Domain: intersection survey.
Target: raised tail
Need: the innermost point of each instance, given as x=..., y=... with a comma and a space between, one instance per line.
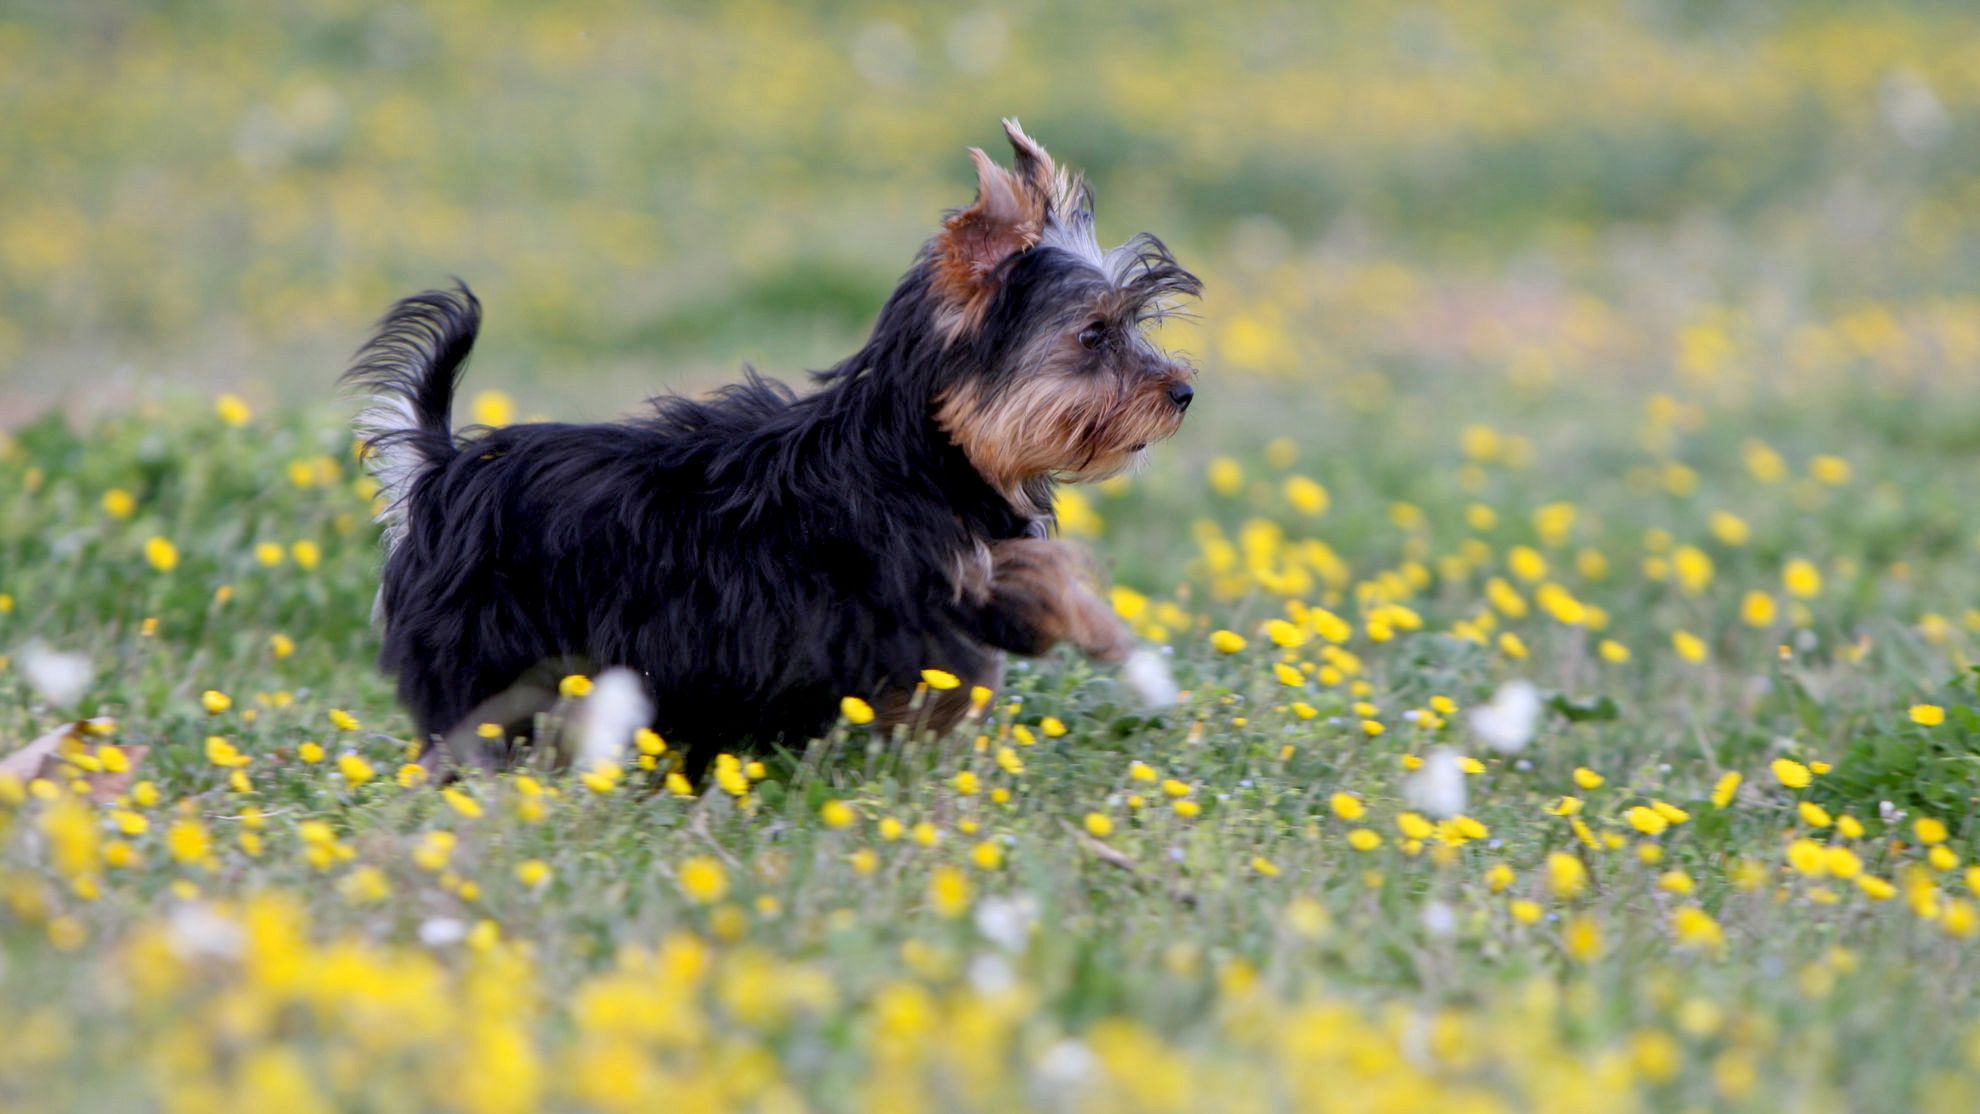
x=407, y=373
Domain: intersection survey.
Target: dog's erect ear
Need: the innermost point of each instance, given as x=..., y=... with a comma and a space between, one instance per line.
x=1008, y=217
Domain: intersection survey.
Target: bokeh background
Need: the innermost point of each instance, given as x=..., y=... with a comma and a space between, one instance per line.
x=222, y=195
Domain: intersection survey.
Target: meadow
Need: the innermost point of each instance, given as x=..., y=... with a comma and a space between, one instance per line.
x=1569, y=565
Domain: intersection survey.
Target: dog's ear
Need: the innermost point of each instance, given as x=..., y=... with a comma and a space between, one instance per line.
x=1007, y=218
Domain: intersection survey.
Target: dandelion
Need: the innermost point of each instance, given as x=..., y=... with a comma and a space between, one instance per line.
x=1802, y=579
x=1929, y=830
x=1264, y=867
x=492, y=408
x=1226, y=641
x=1347, y=806
x=703, y=880
x=948, y=892
x=161, y=554
x=1689, y=646
x=306, y=554
x=1927, y=715
x=1567, y=878
x=1587, y=779
x=1098, y=825
x=281, y=646
x=1306, y=496
x=224, y=754
x=1814, y=815
x=533, y=873
x=355, y=769
x=187, y=842
x=940, y=680
x=343, y=721
x=1757, y=610
x=1695, y=928
x=1646, y=820
x=310, y=753
x=837, y=814
x=1362, y=839
x=233, y=410
x=1582, y=937
x=1792, y=774
x=460, y=802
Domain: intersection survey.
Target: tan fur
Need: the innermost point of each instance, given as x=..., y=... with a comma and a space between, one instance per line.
x=1054, y=585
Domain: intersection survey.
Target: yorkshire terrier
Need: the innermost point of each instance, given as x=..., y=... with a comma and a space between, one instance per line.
x=758, y=555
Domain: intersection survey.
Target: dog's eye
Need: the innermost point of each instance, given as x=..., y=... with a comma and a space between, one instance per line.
x=1093, y=335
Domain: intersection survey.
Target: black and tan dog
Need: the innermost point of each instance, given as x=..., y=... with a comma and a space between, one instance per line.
x=758, y=555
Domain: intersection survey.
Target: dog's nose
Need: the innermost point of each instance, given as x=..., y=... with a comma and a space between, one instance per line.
x=1180, y=394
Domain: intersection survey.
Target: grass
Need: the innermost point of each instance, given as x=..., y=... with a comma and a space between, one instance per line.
x=1623, y=352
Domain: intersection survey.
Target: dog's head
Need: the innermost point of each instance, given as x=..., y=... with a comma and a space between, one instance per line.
x=1059, y=379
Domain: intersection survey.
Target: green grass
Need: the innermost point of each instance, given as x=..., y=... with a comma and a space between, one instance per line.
x=1594, y=324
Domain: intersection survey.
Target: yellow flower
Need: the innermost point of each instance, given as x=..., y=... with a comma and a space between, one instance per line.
x=343, y=721
x=1098, y=825
x=232, y=410
x=1927, y=715
x=1807, y=857
x=1689, y=646
x=891, y=829
x=1814, y=815
x=988, y=855
x=1347, y=806
x=1499, y=878
x=188, y=842
x=1929, y=830
x=1725, y=788
x=1566, y=876
x=837, y=814
x=223, y=754
x=310, y=753
x=1757, y=609
x=1587, y=779
x=1512, y=646
x=281, y=646
x=460, y=802
x=703, y=880
x=967, y=783
x=1188, y=810
x=1525, y=912
x=355, y=769
x=1227, y=641
x=1830, y=471
x=1695, y=928
x=307, y=554
x=215, y=701
x=1582, y=938
x=118, y=503
x=533, y=872
x=1226, y=476
x=1307, y=496
x=948, y=892
x=492, y=408
x=940, y=680
x=268, y=554
x=575, y=686
x=162, y=554
x=1802, y=579
x=1646, y=820
x=1264, y=867
x=1674, y=882
x=1792, y=774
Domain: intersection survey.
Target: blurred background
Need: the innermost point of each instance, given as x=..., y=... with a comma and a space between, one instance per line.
x=222, y=195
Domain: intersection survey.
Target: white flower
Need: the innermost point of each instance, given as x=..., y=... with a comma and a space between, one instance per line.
x=1437, y=787
x=605, y=723
x=1006, y=922
x=60, y=678
x=1508, y=721
x=437, y=932
x=1148, y=675
x=1439, y=919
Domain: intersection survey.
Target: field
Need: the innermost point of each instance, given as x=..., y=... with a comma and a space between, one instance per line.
x=1629, y=352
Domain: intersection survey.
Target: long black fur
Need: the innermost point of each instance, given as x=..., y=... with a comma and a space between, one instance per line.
x=756, y=555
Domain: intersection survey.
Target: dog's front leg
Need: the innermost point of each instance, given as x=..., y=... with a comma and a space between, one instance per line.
x=1043, y=592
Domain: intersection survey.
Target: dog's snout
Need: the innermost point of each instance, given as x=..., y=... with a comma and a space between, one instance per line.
x=1181, y=394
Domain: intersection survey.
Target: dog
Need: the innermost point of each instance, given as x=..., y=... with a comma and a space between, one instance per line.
x=758, y=555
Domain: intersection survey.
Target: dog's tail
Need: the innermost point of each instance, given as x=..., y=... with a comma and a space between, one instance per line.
x=407, y=373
